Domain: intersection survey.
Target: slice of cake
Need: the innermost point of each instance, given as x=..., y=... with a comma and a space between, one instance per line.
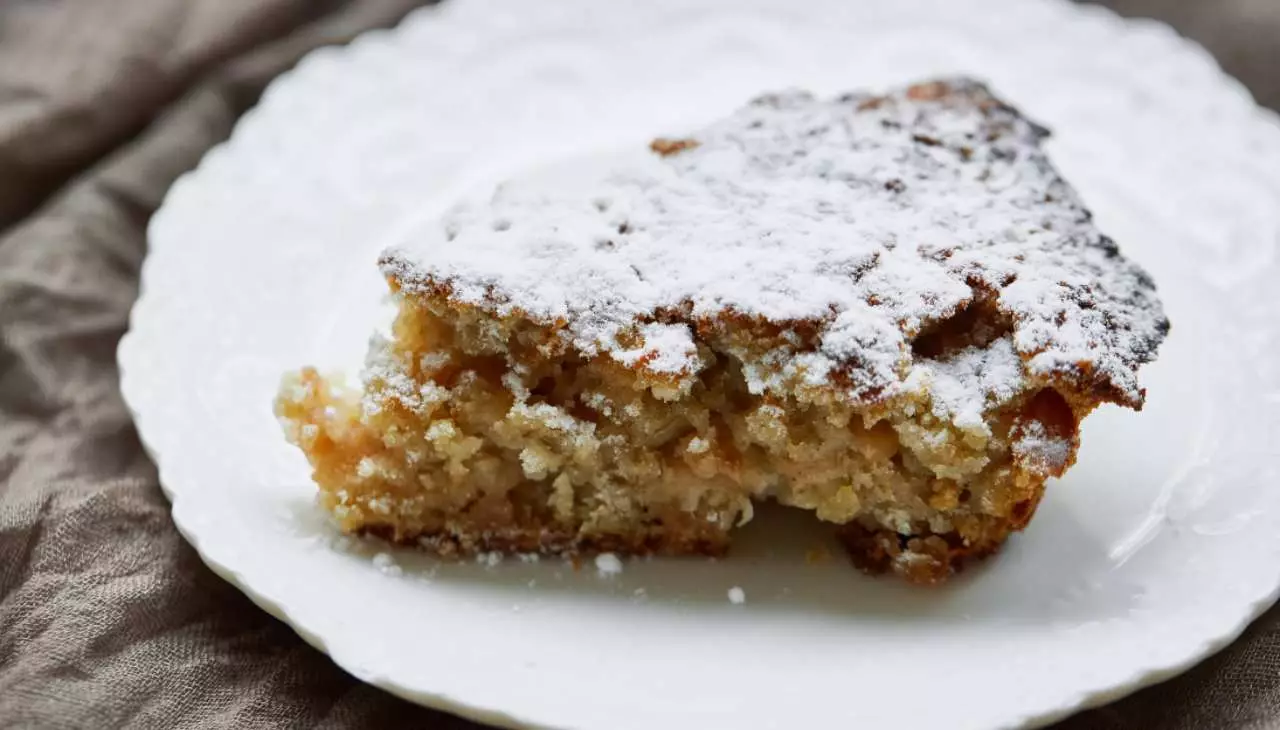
x=889, y=310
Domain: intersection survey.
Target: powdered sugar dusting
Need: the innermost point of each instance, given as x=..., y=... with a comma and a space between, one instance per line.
x=970, y=383
x=872, y=216
x=665, y=348
x=1038, y=447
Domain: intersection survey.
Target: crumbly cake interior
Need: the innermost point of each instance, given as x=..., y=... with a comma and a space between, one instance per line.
x=888, y=310
x=469, y=438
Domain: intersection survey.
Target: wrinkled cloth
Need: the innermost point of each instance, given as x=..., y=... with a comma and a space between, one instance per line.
x=107, y=617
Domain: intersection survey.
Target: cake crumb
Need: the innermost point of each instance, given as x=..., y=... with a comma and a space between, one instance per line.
x=817, y=556
x=737, y=596
x=608, y=564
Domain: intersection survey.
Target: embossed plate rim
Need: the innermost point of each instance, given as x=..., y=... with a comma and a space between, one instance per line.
x=142, y=350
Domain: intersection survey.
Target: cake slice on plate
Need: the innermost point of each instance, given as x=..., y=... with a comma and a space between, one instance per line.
x=887, y=309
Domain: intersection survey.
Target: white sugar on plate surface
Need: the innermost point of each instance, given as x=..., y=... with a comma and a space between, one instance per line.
x=737, y=596
x=386, y=563
x=608, y=564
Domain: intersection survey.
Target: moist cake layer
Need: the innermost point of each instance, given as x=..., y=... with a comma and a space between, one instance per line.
x=889, y=310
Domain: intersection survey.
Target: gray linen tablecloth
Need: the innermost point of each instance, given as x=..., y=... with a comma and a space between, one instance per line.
x=107, y=618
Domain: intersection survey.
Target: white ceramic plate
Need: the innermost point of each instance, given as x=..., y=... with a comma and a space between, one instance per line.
x=1156, y=550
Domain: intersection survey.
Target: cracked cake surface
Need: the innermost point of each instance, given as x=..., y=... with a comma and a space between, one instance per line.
x=888, y=309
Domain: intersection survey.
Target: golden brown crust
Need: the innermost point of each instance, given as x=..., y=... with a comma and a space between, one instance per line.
x=533, y=539
x=927, y=557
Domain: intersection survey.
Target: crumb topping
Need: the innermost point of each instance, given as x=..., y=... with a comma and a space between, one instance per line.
x=862, y=218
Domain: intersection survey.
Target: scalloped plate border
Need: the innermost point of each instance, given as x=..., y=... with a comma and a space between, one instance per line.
x=136, y=364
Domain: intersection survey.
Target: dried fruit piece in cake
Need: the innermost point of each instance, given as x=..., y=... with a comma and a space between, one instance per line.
x=887, y=309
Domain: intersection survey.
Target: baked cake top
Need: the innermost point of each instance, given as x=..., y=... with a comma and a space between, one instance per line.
x=864, y=218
